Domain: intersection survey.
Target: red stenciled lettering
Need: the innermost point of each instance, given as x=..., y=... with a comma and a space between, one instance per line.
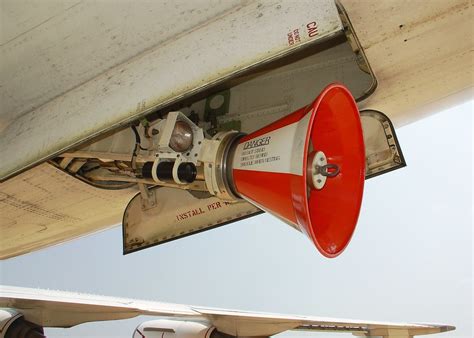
x=291, y=41
x=189, y=214
x=214, y=206
x=296, y=35
x=312, y=29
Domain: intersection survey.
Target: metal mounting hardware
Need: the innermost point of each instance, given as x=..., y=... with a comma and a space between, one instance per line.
x=319, y=170
x=147, y=197
x=328, y=170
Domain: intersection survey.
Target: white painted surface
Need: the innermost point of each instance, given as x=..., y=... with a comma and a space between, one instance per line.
x=46, y=206
x=62, y=309
x=176, y=63
x=282, y=151
x=51, y=47
x=421, y=53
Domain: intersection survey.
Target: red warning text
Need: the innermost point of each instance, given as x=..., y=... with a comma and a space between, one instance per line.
x=312, y=28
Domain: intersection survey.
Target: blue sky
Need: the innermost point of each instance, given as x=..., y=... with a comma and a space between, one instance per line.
x=409, y=260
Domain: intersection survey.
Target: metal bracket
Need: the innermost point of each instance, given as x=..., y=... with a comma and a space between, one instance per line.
x=147, y=197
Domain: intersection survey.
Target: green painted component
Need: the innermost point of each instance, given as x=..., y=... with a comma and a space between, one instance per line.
x=230, y=125
x=217, y=105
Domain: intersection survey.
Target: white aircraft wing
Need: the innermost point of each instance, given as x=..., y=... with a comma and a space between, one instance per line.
x=49, y=308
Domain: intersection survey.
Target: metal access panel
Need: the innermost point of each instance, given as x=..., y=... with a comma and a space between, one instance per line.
x=382, y=150
x=176, y=214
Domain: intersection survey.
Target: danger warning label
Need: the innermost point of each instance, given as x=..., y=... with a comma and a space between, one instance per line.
x=257, y=142
x=256, y=156
x=279, y=151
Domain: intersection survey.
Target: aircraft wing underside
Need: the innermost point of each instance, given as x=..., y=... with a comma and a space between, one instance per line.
x=51, y=96
x=392, y=59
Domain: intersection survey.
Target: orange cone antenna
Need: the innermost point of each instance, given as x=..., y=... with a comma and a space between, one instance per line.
x=307, y=168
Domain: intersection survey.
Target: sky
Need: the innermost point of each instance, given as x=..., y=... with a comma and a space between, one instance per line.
x=410, y=260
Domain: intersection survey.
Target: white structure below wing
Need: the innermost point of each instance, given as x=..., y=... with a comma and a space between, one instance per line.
x=49, y=308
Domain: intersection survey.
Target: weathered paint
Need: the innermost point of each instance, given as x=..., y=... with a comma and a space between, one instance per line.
x=46, y=206
x=41, y=62
x=421, y=53
x=177, y=214
x=432, y=64
x=185, y=62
